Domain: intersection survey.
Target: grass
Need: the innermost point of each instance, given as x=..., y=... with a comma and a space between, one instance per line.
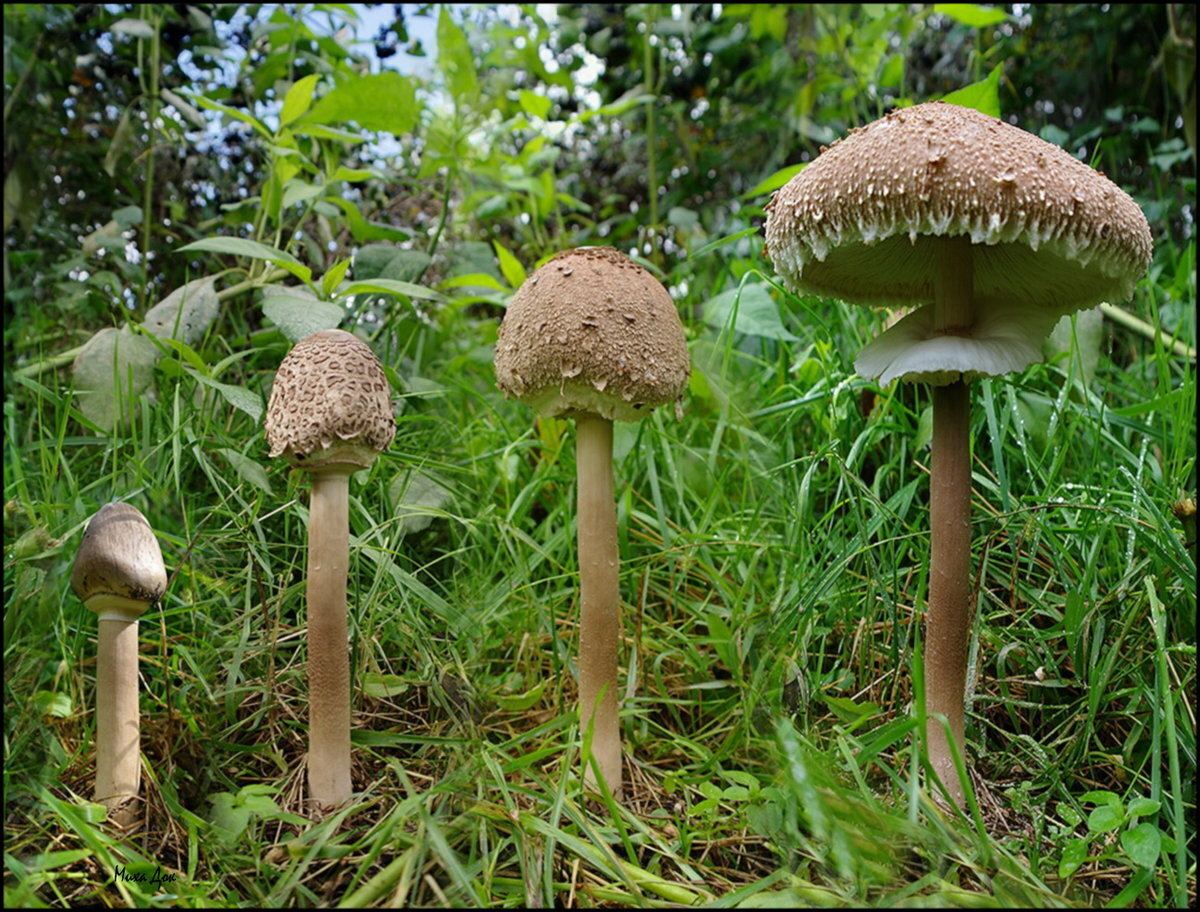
x=774, y=548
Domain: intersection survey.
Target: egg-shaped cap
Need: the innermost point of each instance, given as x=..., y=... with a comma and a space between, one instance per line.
x=119, y=569
x=592, y=331
x=1048, y=230
x=330, y=407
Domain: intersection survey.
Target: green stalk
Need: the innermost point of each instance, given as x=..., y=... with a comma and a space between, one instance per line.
x=152, y=141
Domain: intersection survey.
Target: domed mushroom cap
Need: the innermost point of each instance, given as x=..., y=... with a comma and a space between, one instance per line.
x=1049, y=234
x=592, y=331
x=330, y=406
x=119, y=568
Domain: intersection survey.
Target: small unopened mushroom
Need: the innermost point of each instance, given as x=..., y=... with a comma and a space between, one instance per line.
x=118, y=574
x=994, y=235
x=330, y=415
x=593, y=336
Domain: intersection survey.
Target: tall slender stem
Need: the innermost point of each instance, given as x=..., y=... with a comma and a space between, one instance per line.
x=599, y=597
x=947, y=624
x=328, y=656
x=118, y=721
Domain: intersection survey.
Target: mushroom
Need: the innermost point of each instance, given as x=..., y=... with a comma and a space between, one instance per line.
x=330, y=415
x=593, y=336
x=995, y=235
x=118, y=574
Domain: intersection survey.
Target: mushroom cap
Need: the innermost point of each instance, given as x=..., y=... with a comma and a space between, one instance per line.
x=592, y=331
x=119, y=569
x=330, y=408
x=1049, y=234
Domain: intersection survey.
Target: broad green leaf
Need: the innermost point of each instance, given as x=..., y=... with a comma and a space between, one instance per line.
x=455, y=59
x=298, y=99
x=630, y=99
x=380, y=686
x=1100, y=796
x=50, y=703
x=323, y=131
x=298, y=313
x=535, y=105
x=333, y=276
x=120, y=140
x=111, y=371
x=756, y=312
x=186, y=110
x=389, y=261
x=473, y=280
x=235, y=113
x=983, y=96
x=297, y=191
x=418, y=497
x=390, y=286
x=1142, y=844
x=241, y=247
x=1074, y=854
x=228, y=820
x=239, y=397
x=362, y=230
x=520, y=702
x=136, y=28
x=186, y=313
x=775, y=181
x=510, y=266
x=1143, y=807
x=351, y=175
x=1105, y=818
x=386, y=101
x=249, y=470
x=971, y=14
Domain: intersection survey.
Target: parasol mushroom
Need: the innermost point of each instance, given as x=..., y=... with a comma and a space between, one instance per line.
x=994, y=234
x=593, y=336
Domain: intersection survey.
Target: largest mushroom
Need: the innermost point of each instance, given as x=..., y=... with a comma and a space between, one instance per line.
x=593, y=336
x=993, y=234
x=330, y=415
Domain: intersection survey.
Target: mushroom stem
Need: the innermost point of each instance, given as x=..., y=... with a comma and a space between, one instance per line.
x=599, y=597
x=328, y=656
x=947, y=624
x=118, y=742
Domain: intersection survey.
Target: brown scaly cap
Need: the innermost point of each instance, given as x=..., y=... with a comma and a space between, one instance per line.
x=1052, y=232
x=119, y=568
x=592, y=331
x=330, y=406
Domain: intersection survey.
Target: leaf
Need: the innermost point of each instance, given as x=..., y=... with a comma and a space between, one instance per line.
x=186, y=313
x=298, y=99
x=1143, y=807
x=1081, y=333
x=120, y=140
x=228, y=820
x=520, y=702
x=388, y=261
x=254, y=250
x=1074, y=854
x=239, y=397
x=386, y=101
x=510, y=266
x=775, y=181
x=333, y=276
x=113, y=368
x=235, y=113
x=971, y=14
x=983, y=96
x=1142, y=844
x=535, y=105
x=757, y=313
x=135, y=28
x=188, y=112
x=630, y=99
x=418, y=497
x=390, y=286
x=248, y=469
x=298, y=313
x=1105, y=818
x=49, y=703
x=455, y=59
x=380, y=686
